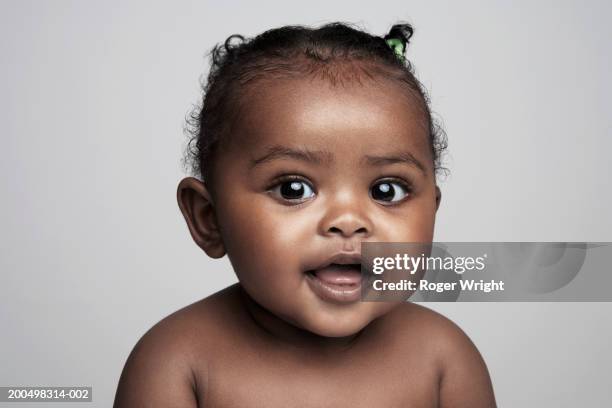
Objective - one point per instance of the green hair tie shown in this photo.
(398, 47)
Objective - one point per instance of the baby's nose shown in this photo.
(347, 229)
(346, 219)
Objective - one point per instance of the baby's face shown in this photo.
(309, 173)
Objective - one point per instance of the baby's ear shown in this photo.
(197, 207)
(438, 197)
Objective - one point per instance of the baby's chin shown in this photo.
(337, 331)
(343, 323)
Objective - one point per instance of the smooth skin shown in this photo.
(270, 341)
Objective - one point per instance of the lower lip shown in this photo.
(334, 292)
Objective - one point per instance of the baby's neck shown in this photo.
(286, 334)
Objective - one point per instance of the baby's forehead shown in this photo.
(312, 109)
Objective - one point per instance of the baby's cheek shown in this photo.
(409, 229)
(417, 224)
(259, 242)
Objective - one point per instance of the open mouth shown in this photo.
(339, 274)
(336, 282)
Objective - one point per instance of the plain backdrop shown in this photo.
(93, 249)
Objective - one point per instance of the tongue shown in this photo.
(339, 275)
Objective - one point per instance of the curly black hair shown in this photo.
(294, 51)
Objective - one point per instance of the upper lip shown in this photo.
(341, 258)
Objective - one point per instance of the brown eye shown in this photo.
(296, 190)
(389, 191)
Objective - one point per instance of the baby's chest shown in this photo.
(287, 386)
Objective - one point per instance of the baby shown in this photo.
(308, 143)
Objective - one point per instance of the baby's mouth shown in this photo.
(340, 283)
(338, 274)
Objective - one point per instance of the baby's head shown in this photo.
(309, 142)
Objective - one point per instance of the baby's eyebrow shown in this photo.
(283, 152)
(322, 156)
(401, 157)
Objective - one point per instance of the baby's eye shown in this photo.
(389, 191)
(294, 190)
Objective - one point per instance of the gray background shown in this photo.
(93, 250)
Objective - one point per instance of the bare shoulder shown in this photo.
(423, 323)
(463, 374)
(160, 370)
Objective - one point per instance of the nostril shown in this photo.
(336, 230)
